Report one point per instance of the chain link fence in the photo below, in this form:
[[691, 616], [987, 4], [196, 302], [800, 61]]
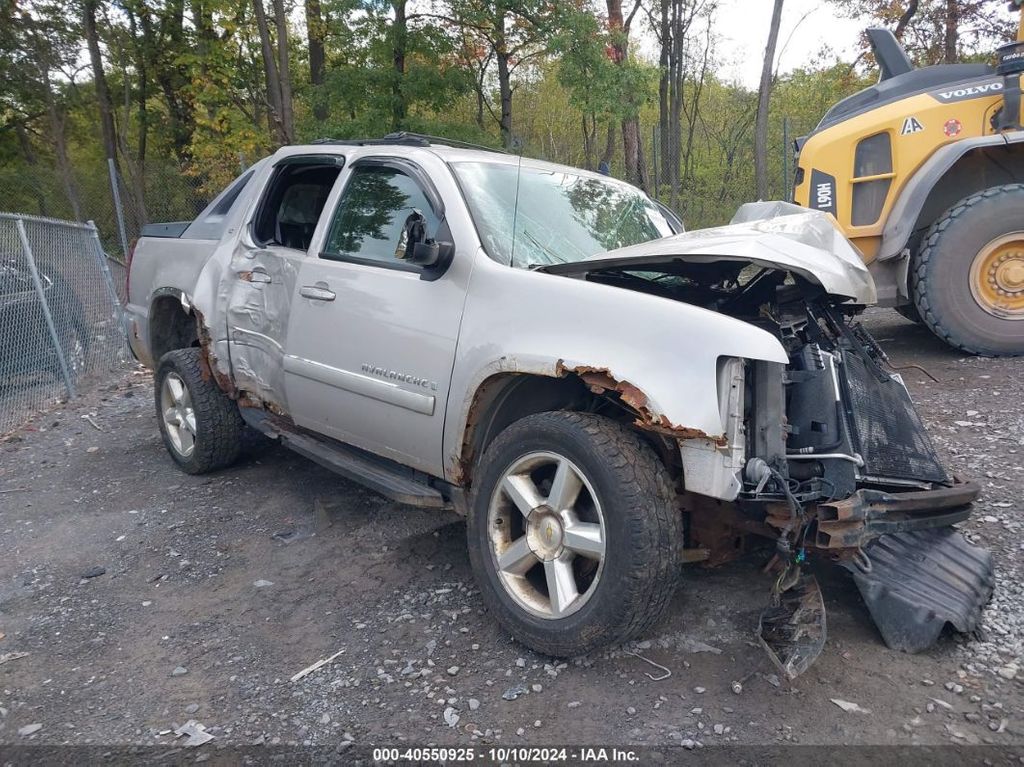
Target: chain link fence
[[119, 202], [61, 321]]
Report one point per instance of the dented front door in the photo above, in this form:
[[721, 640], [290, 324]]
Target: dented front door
[[372, 338]]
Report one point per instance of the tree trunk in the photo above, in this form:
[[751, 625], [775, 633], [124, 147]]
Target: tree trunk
[[664, 65], [763, 96], [317, 59], [501, 55], [284, 72], [141, 43], [169, 74], [949, 38], [32, 160], [633, 153], [588, 123], [908, 14], [275, 113], [679, 29], [399, 42], [60, 148], [632, 142], [609, 146], [106, 108]]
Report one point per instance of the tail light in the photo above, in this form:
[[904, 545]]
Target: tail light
[[128, 268]]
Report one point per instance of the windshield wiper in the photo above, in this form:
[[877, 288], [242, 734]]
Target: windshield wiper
[[554, 256]]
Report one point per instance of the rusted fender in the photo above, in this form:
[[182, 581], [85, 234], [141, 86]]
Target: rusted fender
[[601, 380]]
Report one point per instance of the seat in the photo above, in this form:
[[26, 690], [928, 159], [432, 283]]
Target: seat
[[298, 213]]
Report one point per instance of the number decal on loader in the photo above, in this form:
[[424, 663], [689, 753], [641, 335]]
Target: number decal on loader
[[823, 191], [911, 125]]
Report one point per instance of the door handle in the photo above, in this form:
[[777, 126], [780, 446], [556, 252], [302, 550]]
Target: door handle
[[257, 275], [318, 292]]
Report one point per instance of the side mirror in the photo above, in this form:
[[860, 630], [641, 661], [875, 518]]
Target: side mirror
[[416, 247]]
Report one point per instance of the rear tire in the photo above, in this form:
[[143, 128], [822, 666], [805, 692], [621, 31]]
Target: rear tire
[[200, 425], [967, 278], [617, 541]]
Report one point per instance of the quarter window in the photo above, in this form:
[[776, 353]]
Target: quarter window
[[369, 222]]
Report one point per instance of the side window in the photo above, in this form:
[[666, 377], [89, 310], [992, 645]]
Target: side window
[[369, 222], [222, 206], [292, 204]]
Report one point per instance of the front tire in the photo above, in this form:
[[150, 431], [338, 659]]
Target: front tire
[[200, 425], [574, 533], [967, 279]]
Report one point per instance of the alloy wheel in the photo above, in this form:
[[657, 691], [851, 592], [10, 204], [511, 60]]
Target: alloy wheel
[[178, 414], [547, 535]]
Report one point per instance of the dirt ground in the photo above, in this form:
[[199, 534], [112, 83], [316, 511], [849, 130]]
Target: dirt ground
[[216, 590]]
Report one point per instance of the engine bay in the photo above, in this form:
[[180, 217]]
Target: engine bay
[[837, 417]]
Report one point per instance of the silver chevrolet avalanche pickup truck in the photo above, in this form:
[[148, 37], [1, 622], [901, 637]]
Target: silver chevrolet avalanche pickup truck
[[544, 350]]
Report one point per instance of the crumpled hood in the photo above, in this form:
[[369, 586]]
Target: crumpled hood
[[769, 234]]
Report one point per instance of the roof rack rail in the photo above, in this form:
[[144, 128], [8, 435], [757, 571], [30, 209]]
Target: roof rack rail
[[405, 138]]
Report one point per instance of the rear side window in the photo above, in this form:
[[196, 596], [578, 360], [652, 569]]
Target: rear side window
[[210, 224], [292, 204], [223, 205]]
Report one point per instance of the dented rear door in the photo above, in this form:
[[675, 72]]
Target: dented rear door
[[260, 286]]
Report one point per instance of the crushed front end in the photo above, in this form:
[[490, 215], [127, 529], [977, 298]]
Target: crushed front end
[[839, 464], [824, 454]]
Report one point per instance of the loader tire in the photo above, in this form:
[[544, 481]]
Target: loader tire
[[200, 425], [909, 312], [611, 551], [967, 277]]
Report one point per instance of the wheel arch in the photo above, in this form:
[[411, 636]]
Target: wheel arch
[[503, 398], [953, 172], [172, 323]]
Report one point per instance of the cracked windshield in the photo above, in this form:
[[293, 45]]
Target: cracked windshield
[[562, 217]]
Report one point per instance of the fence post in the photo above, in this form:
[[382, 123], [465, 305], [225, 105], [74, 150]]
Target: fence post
[[108, 278], [23, 236], [118, 210], [654, 158]]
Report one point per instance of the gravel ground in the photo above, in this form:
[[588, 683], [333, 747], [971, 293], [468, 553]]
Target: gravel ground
[[144, 598]]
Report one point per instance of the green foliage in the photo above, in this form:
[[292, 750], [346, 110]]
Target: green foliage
[[189, 96], [967, 29], [597, 86]]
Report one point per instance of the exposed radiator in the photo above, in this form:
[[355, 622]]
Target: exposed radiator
[[887, 430]]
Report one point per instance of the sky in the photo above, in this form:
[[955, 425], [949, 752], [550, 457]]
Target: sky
[[807, 26]]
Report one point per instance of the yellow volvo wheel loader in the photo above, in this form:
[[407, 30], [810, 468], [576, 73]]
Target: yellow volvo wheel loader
[[924, 171]]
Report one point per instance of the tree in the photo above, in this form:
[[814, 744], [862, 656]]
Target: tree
[[99, 77], [276, 70], [683, 57], [632, 142], [39, 44], [763, 96], [509, 33], [315, 33], [939, 31], [590, 77]]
